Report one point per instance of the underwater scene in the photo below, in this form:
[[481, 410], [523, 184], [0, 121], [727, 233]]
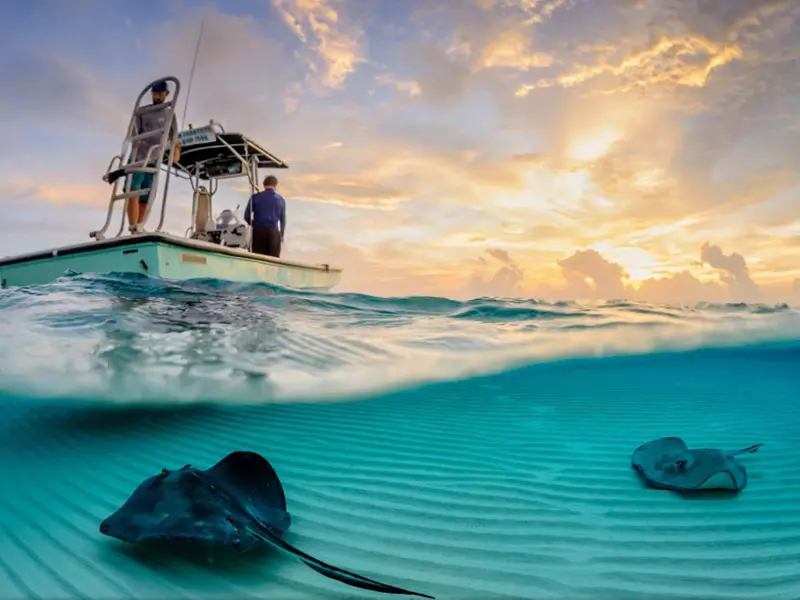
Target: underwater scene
[[209, 439]]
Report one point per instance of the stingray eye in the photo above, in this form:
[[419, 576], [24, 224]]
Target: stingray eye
[[681, 464], [164, 473]]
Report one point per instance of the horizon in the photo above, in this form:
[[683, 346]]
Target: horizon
[[548, 149]]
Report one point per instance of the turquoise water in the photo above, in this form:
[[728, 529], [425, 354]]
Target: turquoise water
[[460, 449]]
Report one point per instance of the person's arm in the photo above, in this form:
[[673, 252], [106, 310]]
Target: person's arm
[[173, 130], [247, 211], [138, 128], [283, 218]]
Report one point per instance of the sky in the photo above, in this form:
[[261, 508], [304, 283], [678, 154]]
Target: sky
[[551, 149]]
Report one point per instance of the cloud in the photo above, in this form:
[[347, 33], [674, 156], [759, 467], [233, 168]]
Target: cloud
[[224, 87], [687, 61], [590, 275], [681, 288], [512, 50], [726, 20], [441, 78], [463, 43], [62, 90], [372, 172], [406, 86], [532, 11], [684, 43], [324, 29], [27, 227], [345, 191], [56, 191], [667, 124], [383, 269], [490, 280], [736, 274]]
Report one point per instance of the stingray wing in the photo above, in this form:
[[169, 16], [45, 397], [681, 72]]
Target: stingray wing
[[175, 505], [327, 570], [251, 479], [668, 463]]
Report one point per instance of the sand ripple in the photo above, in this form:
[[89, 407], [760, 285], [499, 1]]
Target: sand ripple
[[517, 485]]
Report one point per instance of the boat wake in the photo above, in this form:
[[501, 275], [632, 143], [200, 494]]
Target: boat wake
[[127, 338]]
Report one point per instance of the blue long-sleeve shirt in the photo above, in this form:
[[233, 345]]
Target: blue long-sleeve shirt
[[270, 210]]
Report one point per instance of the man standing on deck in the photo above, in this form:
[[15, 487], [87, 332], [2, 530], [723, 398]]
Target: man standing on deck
[[265, 211], [149, 121]]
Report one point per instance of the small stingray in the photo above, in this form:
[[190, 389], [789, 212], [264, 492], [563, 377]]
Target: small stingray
[[669, 464], [237, 502]]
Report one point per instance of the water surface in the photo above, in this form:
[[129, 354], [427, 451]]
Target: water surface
[[462, 449]]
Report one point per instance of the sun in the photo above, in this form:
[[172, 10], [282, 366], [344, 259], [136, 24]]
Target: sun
[[594, 146], [638, 263]]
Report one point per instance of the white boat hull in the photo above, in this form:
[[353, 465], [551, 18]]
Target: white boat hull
[[165, 256]]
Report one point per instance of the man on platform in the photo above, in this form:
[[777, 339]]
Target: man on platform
[[150, 121]]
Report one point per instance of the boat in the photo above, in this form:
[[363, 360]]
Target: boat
[[211, 248]]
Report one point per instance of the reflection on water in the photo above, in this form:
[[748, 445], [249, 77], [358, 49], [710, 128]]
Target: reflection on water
[[127, 337]]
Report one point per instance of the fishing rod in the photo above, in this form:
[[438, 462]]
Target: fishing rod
[[191, 74]]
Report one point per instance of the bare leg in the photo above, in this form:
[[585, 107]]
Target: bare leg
[[133, 211], [142, 210]]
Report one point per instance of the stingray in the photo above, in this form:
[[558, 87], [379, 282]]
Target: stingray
[[668, 463], [238, 502]]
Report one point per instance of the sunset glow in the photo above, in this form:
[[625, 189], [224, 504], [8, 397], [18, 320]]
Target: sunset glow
[[591, 148], [456, 148]]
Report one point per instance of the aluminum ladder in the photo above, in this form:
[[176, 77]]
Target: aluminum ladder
[[117, 170]]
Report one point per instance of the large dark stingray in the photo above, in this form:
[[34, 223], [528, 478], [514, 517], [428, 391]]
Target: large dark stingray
[[668, 463], [237, 502]]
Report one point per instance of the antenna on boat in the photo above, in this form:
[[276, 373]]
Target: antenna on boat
[[191, 74]]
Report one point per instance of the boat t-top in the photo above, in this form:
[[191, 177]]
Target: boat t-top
[[216, 247]]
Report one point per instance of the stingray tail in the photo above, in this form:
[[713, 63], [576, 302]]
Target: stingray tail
[[327, 570], [748, 450]]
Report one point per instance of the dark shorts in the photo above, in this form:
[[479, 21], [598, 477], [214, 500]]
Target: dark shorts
[[267, 240], [142, 181]]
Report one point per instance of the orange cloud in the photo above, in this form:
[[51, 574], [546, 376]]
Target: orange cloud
[[57, 192], [534, 11], [345, 191], [590, 275], [453, 165], [512, 49], [505, 281], [321, 26], [692, 40], [734, 271], [685, 61]]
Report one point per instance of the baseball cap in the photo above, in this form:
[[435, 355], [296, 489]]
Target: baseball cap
[[159, 86]]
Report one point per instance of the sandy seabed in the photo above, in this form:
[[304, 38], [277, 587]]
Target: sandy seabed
[[516, 485]]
